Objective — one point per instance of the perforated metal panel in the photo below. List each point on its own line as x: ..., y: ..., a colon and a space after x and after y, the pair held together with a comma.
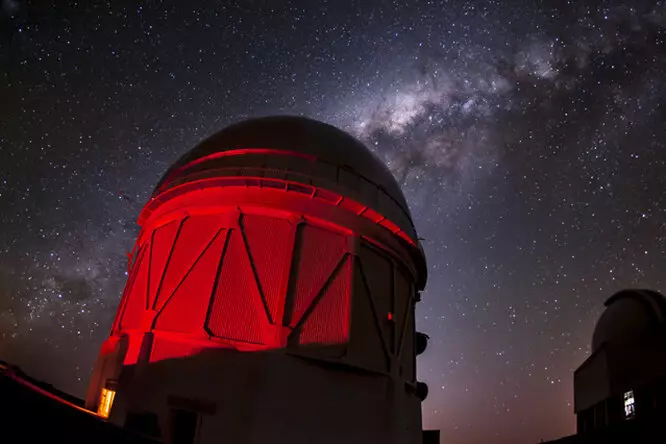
x: 135, y: 303
x: 185, y: 311
x: 403, y: 303
x: 327, y: 321
x: 378, y: 273
x: 408, y: 341
x: 269, y: 242
x: 318, y: 251
x: 366, y: 346
x: 236, y: 311
x: 194, y: 235
x: 161, y: 245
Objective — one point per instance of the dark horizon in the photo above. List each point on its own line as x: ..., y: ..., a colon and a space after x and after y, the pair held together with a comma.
x: 528, y: 140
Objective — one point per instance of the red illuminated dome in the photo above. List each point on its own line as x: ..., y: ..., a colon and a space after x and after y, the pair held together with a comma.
x: 272, y: 287
x: 301, y: 150
x: 308, y: 138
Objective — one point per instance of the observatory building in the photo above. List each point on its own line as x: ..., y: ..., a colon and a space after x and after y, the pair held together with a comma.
x: 620, y: 389
x: 271, y: 295
x: 625, y: 377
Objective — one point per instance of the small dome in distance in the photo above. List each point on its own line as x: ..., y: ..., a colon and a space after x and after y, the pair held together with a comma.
x: 631, y: 316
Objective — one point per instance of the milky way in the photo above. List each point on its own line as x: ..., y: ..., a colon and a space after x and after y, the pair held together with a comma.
x: 529, y: 141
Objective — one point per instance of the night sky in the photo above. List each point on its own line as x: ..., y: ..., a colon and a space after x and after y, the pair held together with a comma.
x: 529, y: 140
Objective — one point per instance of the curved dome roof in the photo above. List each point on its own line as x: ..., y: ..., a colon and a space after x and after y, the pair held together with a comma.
x: 302, y: 135
x: 631, y: 316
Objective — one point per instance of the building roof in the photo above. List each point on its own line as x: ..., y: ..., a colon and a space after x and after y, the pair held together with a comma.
x: 631, y: 316
x: 300, y: 135
x: 285, y: 152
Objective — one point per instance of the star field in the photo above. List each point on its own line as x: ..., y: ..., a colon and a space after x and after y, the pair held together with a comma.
x: 528, y: 139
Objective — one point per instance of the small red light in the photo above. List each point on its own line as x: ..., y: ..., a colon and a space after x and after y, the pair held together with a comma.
x: 390, y: 316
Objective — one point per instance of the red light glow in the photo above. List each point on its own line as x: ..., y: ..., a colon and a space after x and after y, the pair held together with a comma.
x: 237, y: 263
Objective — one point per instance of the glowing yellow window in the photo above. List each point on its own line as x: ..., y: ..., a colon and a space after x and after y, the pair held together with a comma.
x: 105, y: 402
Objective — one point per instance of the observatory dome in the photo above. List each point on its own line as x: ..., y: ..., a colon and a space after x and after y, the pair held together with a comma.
x: 275, y: 244
x: 300, y: 135
x: 315, y: 152
x: 631, y: 316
